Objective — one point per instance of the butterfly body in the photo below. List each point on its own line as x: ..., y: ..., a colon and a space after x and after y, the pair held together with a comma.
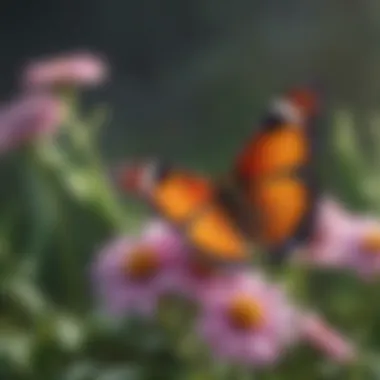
x: 267, y: 201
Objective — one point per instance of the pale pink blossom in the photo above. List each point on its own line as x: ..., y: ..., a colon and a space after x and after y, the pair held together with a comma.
x: 324, y: 338
x: 363, y: 247
x: 247, y: 320
x: 343, y: 240
x: 160, y: 232
x: 132, y: 273
x: 27, y: 119
x: 70, y: 69
x: 333, y: 225
x: 333, y: 228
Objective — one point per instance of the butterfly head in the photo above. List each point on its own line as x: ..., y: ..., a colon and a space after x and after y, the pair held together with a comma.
x: 297, y: 106
x: 141, y: 177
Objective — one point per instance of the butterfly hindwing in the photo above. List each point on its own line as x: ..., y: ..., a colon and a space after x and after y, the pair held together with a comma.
x: 216, y: 236
x: 192, y: 203
x: 277, y: 173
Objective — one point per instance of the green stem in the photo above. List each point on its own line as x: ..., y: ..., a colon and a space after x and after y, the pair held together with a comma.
x: 44, y: 225
x: 356, y: 371
x: 8, y: 263
x: 176, y: 319
x: 297, y: 278
x: 104, y: 196
x: 242, y: 373
x: 41, y: 199
x: 97, y: 191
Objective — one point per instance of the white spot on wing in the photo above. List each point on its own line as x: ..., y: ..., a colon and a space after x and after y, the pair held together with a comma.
x: 287, y: 111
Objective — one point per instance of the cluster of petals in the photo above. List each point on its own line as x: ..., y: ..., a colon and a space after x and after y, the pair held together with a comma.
x: 344, y: 240
x: 38, y: 111
x: 69, y: 69
x: 242, y: 316
x: 27, y: 119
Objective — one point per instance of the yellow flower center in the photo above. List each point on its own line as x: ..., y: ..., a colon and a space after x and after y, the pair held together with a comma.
x: 371, y: 242
x: 245, y: 313
x: 142, y: 263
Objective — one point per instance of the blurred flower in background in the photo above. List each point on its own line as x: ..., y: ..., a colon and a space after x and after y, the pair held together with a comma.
x: 323, y: 337
x: 344, y: 240
x: 66, y: 70
x: 242, y: 317
x: 29, y: 118
x: 333, y: 227
x: 363, y: 247
x: 248, y: 320
x: 131, y: 273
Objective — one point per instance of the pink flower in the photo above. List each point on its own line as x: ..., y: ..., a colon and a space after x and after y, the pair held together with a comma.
x: 193, y: 274
x: 196, y: 277
x: 324, y: 338
x: 363, y: 247
x: 74, y: 69
x: 333, y: 228
x: 344, y: 240
x: 132, y: 273
x: 28, y: 118
x: 247, y: 320
x: 162, y: 233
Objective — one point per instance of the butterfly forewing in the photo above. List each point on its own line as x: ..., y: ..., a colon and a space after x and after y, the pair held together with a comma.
x: 275, y: 172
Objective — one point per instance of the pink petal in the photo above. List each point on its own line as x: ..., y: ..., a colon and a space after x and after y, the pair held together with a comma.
x: 27, y: 119
x: 71, y: 69
x: 319, y: 334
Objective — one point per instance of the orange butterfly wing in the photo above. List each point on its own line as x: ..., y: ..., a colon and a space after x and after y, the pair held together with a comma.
x: 189, y: 201
x: 279, y: 200
x: 282, y: 205
x: 179, y: 195
x: 276, y: 173
x: 217, y: 236
x: 272, y: 151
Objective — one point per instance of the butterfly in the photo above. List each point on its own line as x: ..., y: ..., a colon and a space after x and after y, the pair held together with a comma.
x: 267, y: 199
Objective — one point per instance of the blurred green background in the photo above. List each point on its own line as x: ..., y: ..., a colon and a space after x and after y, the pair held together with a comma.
x: 189, y: 81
